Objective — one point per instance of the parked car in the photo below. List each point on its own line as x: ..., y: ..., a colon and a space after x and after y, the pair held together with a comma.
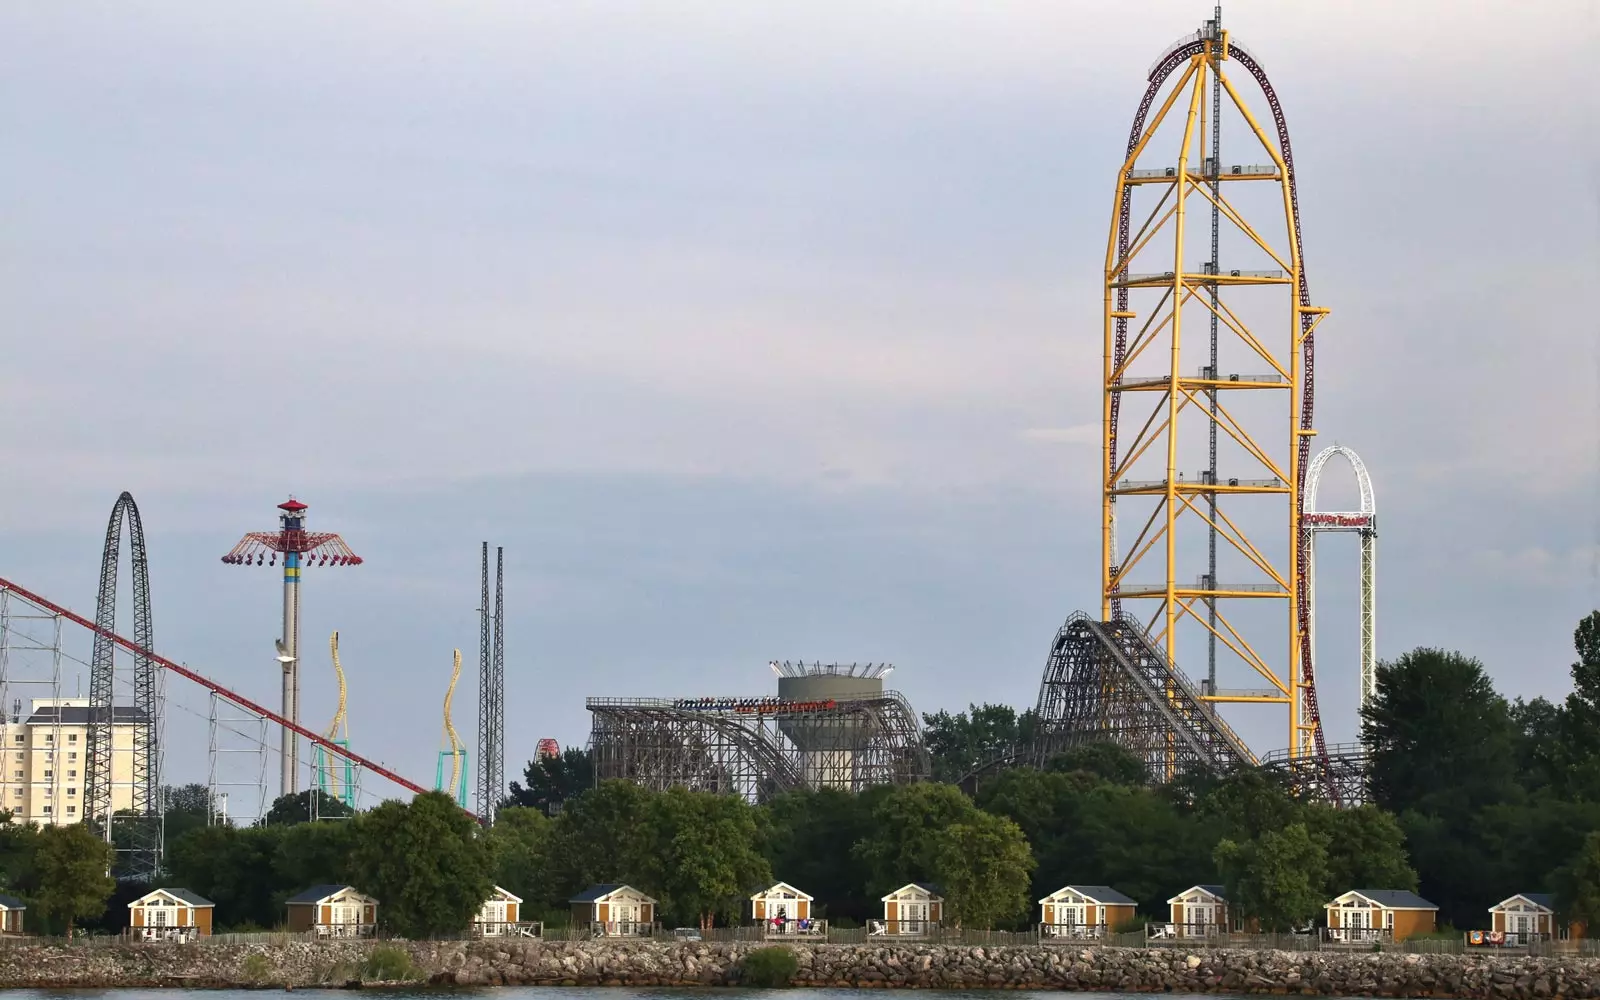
x: 686, y: 934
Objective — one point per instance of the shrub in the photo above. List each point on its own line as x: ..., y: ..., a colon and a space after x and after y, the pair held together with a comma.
x: 768, y: 968
x: 256, y: 967
x: 388, y: 964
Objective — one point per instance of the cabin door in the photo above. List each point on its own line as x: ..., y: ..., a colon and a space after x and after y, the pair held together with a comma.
x: 1202, y: 915
x: 1358, y: 920
x: 625, y: 913
x: 913, y: 917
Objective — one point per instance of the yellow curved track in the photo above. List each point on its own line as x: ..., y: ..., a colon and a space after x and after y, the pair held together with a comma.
x: 451, y: 739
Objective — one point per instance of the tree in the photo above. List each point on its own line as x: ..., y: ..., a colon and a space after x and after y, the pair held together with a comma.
x: 237, y: 869
x: 1366, y: 847
x: 186, y: 807
x: 517, y: 844
x: 18, y: 843
x: 296, y: 808
x: 810, y: 841
x: 1277, y: 878
x: 1578, y: 752
x: 310, y: 854
x: 598, y: 837
x: 902, y: 845
x: 72, y: 867
x: 704, y: 854
x: 551, y: 781
x: 1439, y: 737
x: 1106, y: 761
x: 1578, y: 895
x: 960, y: 743
x: 425, y: 860
x: 983, y: 866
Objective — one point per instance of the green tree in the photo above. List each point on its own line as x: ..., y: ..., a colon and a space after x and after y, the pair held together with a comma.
x: 1440, y: 738
x: 186, y: 807
x: 551, y: 781
x: 902, y: 845
x: 598, y: 837
x: 1106, y: 761
x: 1365, y: 849
x: 18, y: 842
x: 310, y: 854
x: 425, y: 861
x: 1578, y: 753
x: 237, y: 869
x: 960, y: 743
x: 517, y: 844
x: 984, y: 865
x: 72, y: 866
x: 296, y: 808
x: 810, y: 843
x: 1278, y: 878
x: 704, y: 854
x: 1578, y: 893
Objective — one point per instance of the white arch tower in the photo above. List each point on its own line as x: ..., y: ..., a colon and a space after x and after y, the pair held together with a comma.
x: 1364, y: 523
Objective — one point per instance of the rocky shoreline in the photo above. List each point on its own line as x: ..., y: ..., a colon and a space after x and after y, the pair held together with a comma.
x: 312, y: 964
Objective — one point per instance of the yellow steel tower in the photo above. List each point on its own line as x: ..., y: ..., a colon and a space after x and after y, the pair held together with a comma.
x: 1207, y: 404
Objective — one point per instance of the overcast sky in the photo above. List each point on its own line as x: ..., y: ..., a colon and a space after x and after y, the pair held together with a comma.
x: 751, y: 331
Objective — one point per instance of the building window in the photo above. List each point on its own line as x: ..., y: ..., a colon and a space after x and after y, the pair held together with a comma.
x: 49, y: 739
x: 49, y: 793
x: 47, y: 810
x: 73, y: 738
x: 71, y: 810
x: 48, y: 774
x: 72, y: 774
x: 72, y: 755
x: 20, y: 739
x: 72, y: 791
x: 50, y: 755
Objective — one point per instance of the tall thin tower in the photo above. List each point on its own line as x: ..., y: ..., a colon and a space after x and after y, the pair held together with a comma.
x: 491, y: 688
x: 300, y: 548
x: 143, y: 855
x: 1364, y: 523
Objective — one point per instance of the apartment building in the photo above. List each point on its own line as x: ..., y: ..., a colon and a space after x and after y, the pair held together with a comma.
x: 43, y: 759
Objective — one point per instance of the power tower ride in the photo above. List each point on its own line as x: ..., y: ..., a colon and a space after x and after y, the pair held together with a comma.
x: 139, y: 850
x: 491, y: 688
x: 335, y: 773
x: 1206, y: 461
x: 300, y: 549
x: 1364, y: 523
x: 453, y: 751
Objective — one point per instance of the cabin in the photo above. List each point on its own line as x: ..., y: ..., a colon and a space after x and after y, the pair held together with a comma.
x: 11, y: 910
x: 614, y: 910
x: 783, y: 909
x: 913, y: 909
x: 170, y: 915
x: 333, y: 911
x: 1198, y: 911
x: 1529, y: 916
x: 1084, y: 911
x: 1364, y: 915
x: 501, y: 916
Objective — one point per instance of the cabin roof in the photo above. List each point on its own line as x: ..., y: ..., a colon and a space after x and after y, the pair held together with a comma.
x: 1392, y: 899
x: 595, y: 893
x: 188, y: 896
x: 1542, y: 899
x: 1093, y: 893
x: 318, y: 893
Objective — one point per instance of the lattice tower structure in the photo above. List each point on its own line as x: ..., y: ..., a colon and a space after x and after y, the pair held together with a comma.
x: 139, y: 857
x: 491, y: 688
x: 758, y: 747
x: 1364, y: 523
x: 1341, y: 779
x: 300, y: 549
x: 1256, y: 398
x: 1107, y: 682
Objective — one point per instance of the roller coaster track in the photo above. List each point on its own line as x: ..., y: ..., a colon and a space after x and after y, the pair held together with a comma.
x: 1176, y: 56
x: 138, y: 651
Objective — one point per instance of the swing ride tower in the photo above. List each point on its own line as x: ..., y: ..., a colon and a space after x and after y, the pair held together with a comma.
x: 300, y: 548
x: 1209, y: 331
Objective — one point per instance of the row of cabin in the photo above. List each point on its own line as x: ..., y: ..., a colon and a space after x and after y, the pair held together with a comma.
x: 323, y: 910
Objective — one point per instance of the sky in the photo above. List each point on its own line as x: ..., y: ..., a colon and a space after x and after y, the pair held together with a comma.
x: 751, y: 331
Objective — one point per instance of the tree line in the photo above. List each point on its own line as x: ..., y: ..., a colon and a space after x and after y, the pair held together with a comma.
x: 1475, y: 798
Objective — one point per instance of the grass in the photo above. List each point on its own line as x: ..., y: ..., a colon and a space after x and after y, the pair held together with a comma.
x: 768, y: 968
x: 256, y: 967
x: 389, y: 964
